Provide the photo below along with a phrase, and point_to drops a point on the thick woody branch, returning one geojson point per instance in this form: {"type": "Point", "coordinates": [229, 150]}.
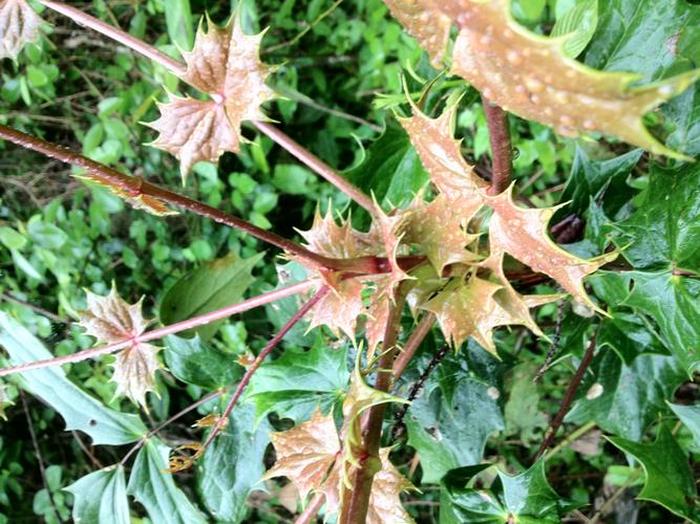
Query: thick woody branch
{"type": "Point", "coordinates": [501, 149]}
{"type": "Point", "coordinates": [155, 334]}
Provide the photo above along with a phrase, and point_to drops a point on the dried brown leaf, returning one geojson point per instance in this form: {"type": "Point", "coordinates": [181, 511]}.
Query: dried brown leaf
{"type": "Point", "coordinates": [225, 64]}
{"type": "Point", "coordinates": [19, 25]}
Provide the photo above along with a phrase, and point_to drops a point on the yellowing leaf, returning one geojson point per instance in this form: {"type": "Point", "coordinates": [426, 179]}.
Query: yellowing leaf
{"type": "Point", "coordinates": [430, 27]}
{"type": "Point", "coordinates": [110, 319]}
{"type": "Point", "coordinates": [225, 64]}
{"type": "Point", "coordinates": [19, 25]}
{"type": "Point", "coordinates": [531, 76]}
{"type": "Point", "coordinates": [522, 233]}
{"type": "Point", "coordinates": [306, 453]}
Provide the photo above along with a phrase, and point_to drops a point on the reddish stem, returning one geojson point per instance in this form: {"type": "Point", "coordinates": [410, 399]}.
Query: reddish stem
{"type": "Point", "coordinates": [501, 149]}
{"type": "Point", "coordinates": [197, 321]}
{"type": "Point", "coordinates": [309, 514]}
{"type": "Point", "coordinates": [271, 345]}
{"type": "Point", "coordinates": [413, 343]}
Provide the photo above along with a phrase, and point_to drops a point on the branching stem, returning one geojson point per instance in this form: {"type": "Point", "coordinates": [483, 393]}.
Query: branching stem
{"type": "Point", "coordinates": [413, 343]}
{"type": "Point", "coordinates": [197, 321]}
{"type": "Point", "coordinates": [501, 149]}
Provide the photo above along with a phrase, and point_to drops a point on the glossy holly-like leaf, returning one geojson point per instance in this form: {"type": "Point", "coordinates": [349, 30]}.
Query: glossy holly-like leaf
{"type": "Point", "coordinates": [195, 362]}
{"type": "Point", "coordinates": [213, 285]}
{"type": "Point", "coordinates": [224, 63]}
{"type": "Point", "coordinates": [101, 497]}
{"type": "Point", "coordinates": [298, 383]}
{"type": "Point", "coordinates": [110, 319]}
{"type": "Point", "coordinates": [306, 452]}
{"type": "Point", "coordinates": [531, 76]}
{"type": "Point", "coordinates": [523, 233]}
{"type": "Point", "coordinates": [232, 465]}
{"type": "Point", "coordinates": [624, 399]}
{"type": "Point", "coordinates": [426, 24]}
{"type": "Point", "coordinates": [79, 410]}
{"type": "Point", "coordinates": [526, 498]}
{"type": "Point", "coordinates": [690, 416]}
{"type": "Point", "coordinates": [153, 486]}
{"type": "Point", "coordinates": [19, 25]}
{"type": "Point", "coordinates": [340, 308]}
{"type": "Point", "coordinates": [668, 478]}
{"type": "Point", "coordinates": [664, 232]}
{"type": "Point", "coordinates": [449, 423]}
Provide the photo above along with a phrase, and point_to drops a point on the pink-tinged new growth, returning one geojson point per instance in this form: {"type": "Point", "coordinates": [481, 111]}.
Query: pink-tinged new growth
{"type": "Point", "coordinates": [19, 25]}
{"type": "Point", "coordinates": [225, 64]}
{"type": "Point", "coordinates": [111, 320]}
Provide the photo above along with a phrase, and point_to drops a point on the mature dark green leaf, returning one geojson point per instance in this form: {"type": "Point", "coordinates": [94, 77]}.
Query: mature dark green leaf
{"type": "Point", "coordinates": [690, 416]}
{"type": "Point", "coordinates": [79, 410]}
{"type": "Point", "coordinates": [298, 382]}
{"type": "Point", "coordinates": [281, 311]}
{"type": "Point", "coordinates": [101, 497]}
{"type": "Point", "coordinates": [449, 423]}
{"type": "Point", "coordinates": [579, 23]}
{"type": "Point", "coordinates": [665, 230]}
{"type": "Point", "coordinates": [630, 335]}
{"type": "Point", "coordinates": [153, 486]}
{"type": "Point", "coordinates": [592, 178]}
{"type": "Point", "coordinates": [178, 17]}
{"type": "Point", "coordinates": [624, 399]}
{"type": "Point", "coordinates": [195, 362]}
{"type": "Point", "coordinates": [526, 498]}
{"type": "Point", "coordinates": [233, 465]}
{"type": "Point", "coordinates": [669, 479]}
{"type": "Point", "coordinates": [391, 169]}
{"type": "Point", "coordinates": [684, 112]}
{"type": "Point", "coordinates": [211, 286]}
{"type": "Point", "coordinates": [672, 301]}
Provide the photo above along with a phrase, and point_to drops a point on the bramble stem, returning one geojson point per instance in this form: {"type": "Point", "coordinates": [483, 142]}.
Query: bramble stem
{"type": "Point", "coordinates": [197, 321]}
{"type": "Point", "coordinates": [316, 164]}
{"type": "Point", "coordinates": [501, 149]}
{"type": "Point", "coordinates": [568, 397]}
{"type": "Point", "coordinates": [271, 345]}
{"type": "Point", "coordinates": [413, 343]}
{"type": "Point", "coordinates": [356, 501]}
{"type": "Point", "coordinates": [116, 34]}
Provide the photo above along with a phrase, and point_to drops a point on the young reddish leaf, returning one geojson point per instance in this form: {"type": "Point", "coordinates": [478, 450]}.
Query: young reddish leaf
{"type": "Point", "coordinates": [530, 75]}
{"type": "Point", "coordinates": [377, 317]}
{"type": "Point", "coordinates": [385, 502]}
{"type": "Point", "coordinates": [110, 319]}
{"type": "Point", "coordinates": [19, 25]}
{"type": "Point", "coordinates": [340, 308]}
{"type": "Point", "coordinates": [225, 64]}
{"type": "Point", "coordinates": [522, 233]}
{"type": "Point", "coordinates": [328, 238]}
{"type": "Point", "coordinates": [427, 25]}
{"type": "Point", "coordinates": [306, 453]}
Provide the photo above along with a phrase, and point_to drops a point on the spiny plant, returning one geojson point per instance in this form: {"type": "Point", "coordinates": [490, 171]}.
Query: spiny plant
{"type": "Point", "coordinates": [462, 254]}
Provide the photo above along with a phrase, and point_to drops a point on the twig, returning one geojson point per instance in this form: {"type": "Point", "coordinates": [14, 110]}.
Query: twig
{"type": "Point", "coordinates": [501, 149]}
{"type": "Point", "coordinates": [197, 321]}
{"type": "Point", "coordinates": [568, 397]}
{"type": "Point", "coordinates": [36, 309]}
{"type": "Point", "coordinates": [271, 345]}
{"type": "Point", "coordinates": [309, 27]}
{"type": "Point", "coordinates": [86, 450]}
{"type": "Point", "coordinates": [309, 514]}
{"type": "Point", "coordinates": [575, 435]}
{"type": "Point", "coordinates": [618, 493]}
{"type": "Point", "coordinates": [413, 343]}
{"type": "Point", "coordinates": [397, 432]}
{"type": "Point", "coordinates": [355, 502]}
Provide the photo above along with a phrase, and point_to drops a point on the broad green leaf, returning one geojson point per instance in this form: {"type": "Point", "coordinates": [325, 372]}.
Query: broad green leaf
{"type": "Point", "coordinates": [578, 23]}
{"type": "Point", "coordinates": [100, 497]}
{"type": "Point", "coordinates": [178, 17]}
{"type": "Point", "coordinates": [526, 498]}
{"type": "Point", "coordinates": [684, 113]}
{"type": "Point", "coordinates": [299, 382]}
{"type": "Point", "coordinates": [624, 399]}
{"type": "Point", "coordinates": [630, 335]}
{"type": "Point", "coordinates": [195, 362]}
{"type": "Point", "coordinates": [671, 301]}
{"type": "Point", "coordinates": [391, 169]}
{"type": "Point", "coordinates": [664, 232]}
{"type": "Point", "coordinates": [153, 486]}
{"type": "Point", "coordinates": [233, 465]}
{"type": "Point", "coordinates": [211, 286]}
{"type": "Point", "coordinates": [590, 178]}
{"type": "Point", "coordinates": [449, 423]}
{"type": "Point", "coordinates": [669, 479]}
{"type": "Point", "coordinates": [523, 416]}
{"type": "Point", "coordinates": [282, 310]}
{"type": "Point", "coordinates": [11, 238]}
{"type": "Point", "coordinates": [690, 416]}
{"type": "Point", "coordinates": [79, 410]}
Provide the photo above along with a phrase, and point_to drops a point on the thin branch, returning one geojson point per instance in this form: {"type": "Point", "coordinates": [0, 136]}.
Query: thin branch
{"type": "Point", "coordinates": [118, 35]}
{"type": "Point", "coordinates": [271, 345]}
{"type": "Point", "coordinates": [316, 164]}
{"type": "Point", "coordinates": [501, 149]}
{"type": "Point", "coordinates": [356, 500]}
{"type": "Point", "coordinates": [574, 436]}
{"type": "Point", "coordinates": [197, 321]}
{"type": "Point", "coordinates": [37, 309]}
{"type": "Point", "coordinates": [568, 397]}
{"type": "Point", "coordinates": [413, 343]}
{"type": "Point", "coordinates": [309, 514]}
